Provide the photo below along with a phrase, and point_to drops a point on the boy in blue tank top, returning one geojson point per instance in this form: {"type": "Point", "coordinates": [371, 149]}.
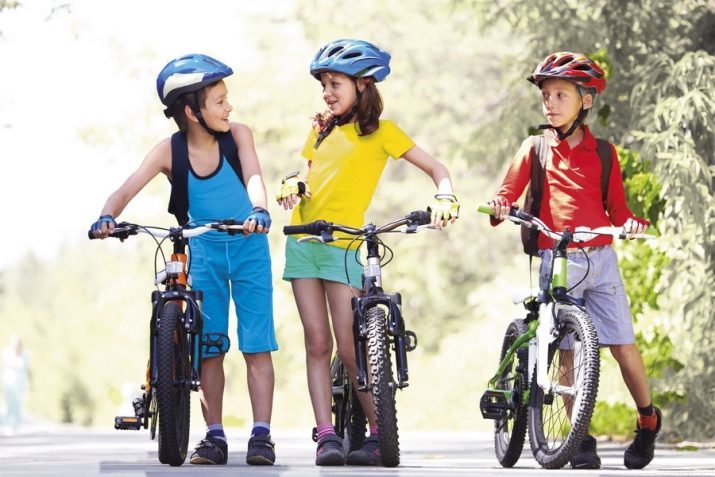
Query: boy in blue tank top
{"type": "Point", "coordinates": [212, 181]}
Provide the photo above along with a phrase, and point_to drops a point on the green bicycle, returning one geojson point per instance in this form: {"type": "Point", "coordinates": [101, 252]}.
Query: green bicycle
{"type": "Point", "coordinates": [548, 373]}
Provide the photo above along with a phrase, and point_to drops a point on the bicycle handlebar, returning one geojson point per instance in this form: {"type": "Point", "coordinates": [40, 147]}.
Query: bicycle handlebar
{"type": "Point", "coordinates": [580, 234]}
{"type": "Point", "coordinates": [124, 229]}
{"type": "Point", "coordinates": [322, 230]}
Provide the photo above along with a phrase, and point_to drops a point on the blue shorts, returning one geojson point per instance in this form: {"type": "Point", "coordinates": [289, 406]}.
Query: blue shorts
{"type": "Point", "coordinates": [310, 259]}
{"type": "Point", "coordinates": [239, 268]}
{"type": "Point", "coordinates": [603, 290]}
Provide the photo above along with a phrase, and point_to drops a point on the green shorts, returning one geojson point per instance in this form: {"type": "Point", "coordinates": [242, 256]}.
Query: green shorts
{"type": "Point", "coordinates": [312, 259]}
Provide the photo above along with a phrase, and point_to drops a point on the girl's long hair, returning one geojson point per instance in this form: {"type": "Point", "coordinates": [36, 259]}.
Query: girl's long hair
{"type": "Point", "coordinates": [369, 109]}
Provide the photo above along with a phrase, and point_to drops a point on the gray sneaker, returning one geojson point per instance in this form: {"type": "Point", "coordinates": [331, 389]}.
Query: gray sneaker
{"type": "Point", "coordinates": [330, 451]}
{"type": "Point", "coordinates": [261, 450]}
{"type": "Point", "coordinates": [368, 454]}
{"type": "Point", "coordinates": [210, 451]}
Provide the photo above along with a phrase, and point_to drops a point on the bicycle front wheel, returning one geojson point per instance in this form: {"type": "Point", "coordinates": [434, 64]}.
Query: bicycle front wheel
{"type": "Point", "coordinates": [559, 417]}
{"type": "Point", "coordinates": [510, 430]}
{"type": "Point", "coordinates": [383, 385]}
{"type": "Point", "coordinates": [172, 386]}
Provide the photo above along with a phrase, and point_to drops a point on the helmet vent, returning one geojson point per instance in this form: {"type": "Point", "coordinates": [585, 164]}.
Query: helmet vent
{"type": "Point", "coordinates": [353, 54]}
{"type": "Point", "coordinates": [564, 60]}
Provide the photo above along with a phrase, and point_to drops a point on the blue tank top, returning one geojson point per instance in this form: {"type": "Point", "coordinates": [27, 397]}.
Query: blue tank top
{"type": "Point", "coordinates": [220, 195]}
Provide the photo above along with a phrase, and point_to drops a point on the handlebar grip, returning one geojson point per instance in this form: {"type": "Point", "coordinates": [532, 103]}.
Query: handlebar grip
{"type": "Point", "coordinates": [313, 228]}
{"type": "Point", "coordinates": [89, 234]}
{"type": "Point", "coordinates": [419, 217]}
{"type": "Point", "coordinates": [485, 209]}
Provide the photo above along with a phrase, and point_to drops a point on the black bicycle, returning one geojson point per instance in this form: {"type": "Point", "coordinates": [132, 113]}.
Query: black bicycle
{"type": "Point", "coordinates": [548, 372]}
{"type": "Point", "coordinates": [175, 344]}
{"type": "Point", "coordinates": [378, 328]}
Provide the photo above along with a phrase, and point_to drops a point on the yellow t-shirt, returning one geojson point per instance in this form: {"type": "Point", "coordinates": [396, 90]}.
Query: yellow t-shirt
{"type": "Point", "coordinates": [344, 173]}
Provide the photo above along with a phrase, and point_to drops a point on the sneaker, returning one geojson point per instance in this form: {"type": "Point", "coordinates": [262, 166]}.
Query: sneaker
{"type": "Point", "coordinates": [330, 451]}
{"type": "Point", "coordinates": [586, 456]}
{"type": "Point", "coordinates": [368, 454]}
{"type": "Point", "coordinates": [210, 451]}
{"type": "Point", "coordinates": [640, 452]}
{"type": "Point", "coordinates": [260, 450]}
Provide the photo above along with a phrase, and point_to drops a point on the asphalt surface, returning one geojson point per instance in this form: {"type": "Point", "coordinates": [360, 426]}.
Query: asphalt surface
{"type": "Point", "coordinates": [55, 450]}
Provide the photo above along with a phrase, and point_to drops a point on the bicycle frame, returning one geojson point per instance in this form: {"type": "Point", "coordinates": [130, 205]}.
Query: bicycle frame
{"type": "Point", "coordinates": [542, 320]}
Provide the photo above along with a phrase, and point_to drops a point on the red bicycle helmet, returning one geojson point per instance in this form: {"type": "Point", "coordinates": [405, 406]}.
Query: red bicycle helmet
{"type": "Point", "coordinates": [574, 67]}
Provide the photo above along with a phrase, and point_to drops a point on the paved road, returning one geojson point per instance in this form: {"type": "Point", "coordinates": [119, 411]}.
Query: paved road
{"type": "Point", "coordinates": [69, 451]}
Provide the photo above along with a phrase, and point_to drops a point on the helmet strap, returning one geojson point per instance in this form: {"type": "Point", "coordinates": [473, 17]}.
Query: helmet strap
{"type": "Point", "coordinates": [577, 122]}
{"type": "Point", "coordinates": [195, 108]}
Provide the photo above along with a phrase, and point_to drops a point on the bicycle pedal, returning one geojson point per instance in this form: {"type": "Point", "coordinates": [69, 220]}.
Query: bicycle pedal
{"type": "Point", "coordinates": [124, 423]}
{"type": "Point", "coordinates": [494, 404]}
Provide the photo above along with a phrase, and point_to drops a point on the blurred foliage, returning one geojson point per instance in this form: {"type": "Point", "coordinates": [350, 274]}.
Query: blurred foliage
{"type": "Point", "coordinates": [659, 104]}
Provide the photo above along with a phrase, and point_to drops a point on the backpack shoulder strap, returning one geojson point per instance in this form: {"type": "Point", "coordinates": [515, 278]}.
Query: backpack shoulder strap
{"type": "Point", "coordinates": [229, 149]}
{"type": "Point", "coordinates": [538, 163]}
{"type": "Point", "coordinates": [179, 198]}
{"type": "Point", "coordinates": [604, 153]}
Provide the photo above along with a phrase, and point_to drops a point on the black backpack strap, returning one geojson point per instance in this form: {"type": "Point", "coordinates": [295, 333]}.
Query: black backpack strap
{"type": "Point", "coordinates": [532, 202]}
{"type": "Point", "coordinates": [229, 149]}
{"type": "Point", "coordinates": [604, 153]}
{"type": "Point", "coordinates": [179, 198]}
{"type": "Point", "coordinates": [538, 164]}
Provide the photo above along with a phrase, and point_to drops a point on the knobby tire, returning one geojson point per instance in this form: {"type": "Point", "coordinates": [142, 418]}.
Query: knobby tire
{"type": "Point", "coordinates": [510, 431]}
{"type": "Point", "coordinates": [383, 385]}
{"type": "Point", "coordinates": [555, 437]}
{"type": "Point", "coordinates": [172, 386]}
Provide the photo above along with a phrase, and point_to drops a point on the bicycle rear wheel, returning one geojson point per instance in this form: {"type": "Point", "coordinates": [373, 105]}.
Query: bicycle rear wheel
{"type": "Point", "coordinates": [383, 385]}
{"type": "Point", "coordinates": [510, 430]}
{"type": "Point", "coordinates": [559, 418]}
{"type": "Point", "coordinates": [350, 422]}
{"type": "Point", "coordinates": [172, 386]}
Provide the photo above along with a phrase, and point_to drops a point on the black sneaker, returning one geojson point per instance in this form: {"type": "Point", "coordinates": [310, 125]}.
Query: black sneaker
{"type": "Point", "coordinates": [640, 452]}
{"type": "Point", "coordinates": [586, 456]}
{"type": "Point", "coordinates": [330, 451]}
{"type": "Point", "coordinates": [210, 451]}
{"type": "Point", "coordinates": [368, 454]}
{"type": "Point", "coordinates": [261, 450]}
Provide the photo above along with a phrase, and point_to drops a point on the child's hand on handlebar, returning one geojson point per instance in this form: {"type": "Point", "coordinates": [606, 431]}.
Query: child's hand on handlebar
{"type": "Point", "coordinates": [501, 207]}
{"type": "Point", "coordinates": [259, 221]}
{"type": "Point", "coordinates": [444, 210]}
{"type": "Point", "coordinates": [103, 226]}
{"type": "Point", "coordinates": [635, 225]}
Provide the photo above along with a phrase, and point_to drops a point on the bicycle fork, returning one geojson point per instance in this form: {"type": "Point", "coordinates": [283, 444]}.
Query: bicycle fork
{"type": "Point", "coordinates": [402, 340]}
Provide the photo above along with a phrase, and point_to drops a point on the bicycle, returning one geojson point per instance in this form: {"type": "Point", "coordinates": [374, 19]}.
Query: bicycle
{"type": "Point", "coordinates": [175, 343]}
{"type": "Point", "coordinates": [548, 373]}
{"type": "Point", "coordinates": [378, 326]}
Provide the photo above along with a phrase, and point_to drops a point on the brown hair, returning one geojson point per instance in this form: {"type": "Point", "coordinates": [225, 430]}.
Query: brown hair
{"type": "Point", "coordinates": [177, 110]}
{"type": "Point", "coordinates": [369, 108]}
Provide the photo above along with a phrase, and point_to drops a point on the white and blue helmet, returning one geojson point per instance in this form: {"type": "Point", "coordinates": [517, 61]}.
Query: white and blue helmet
{"type": "Point", "coordinates": [356, 58]}
{"type": "Point", "coordinates": [188, 74]}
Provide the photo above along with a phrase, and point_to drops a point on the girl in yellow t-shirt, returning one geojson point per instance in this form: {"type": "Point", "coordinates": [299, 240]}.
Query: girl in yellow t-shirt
{"type": "Point", "coordinates": [346, 151]}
